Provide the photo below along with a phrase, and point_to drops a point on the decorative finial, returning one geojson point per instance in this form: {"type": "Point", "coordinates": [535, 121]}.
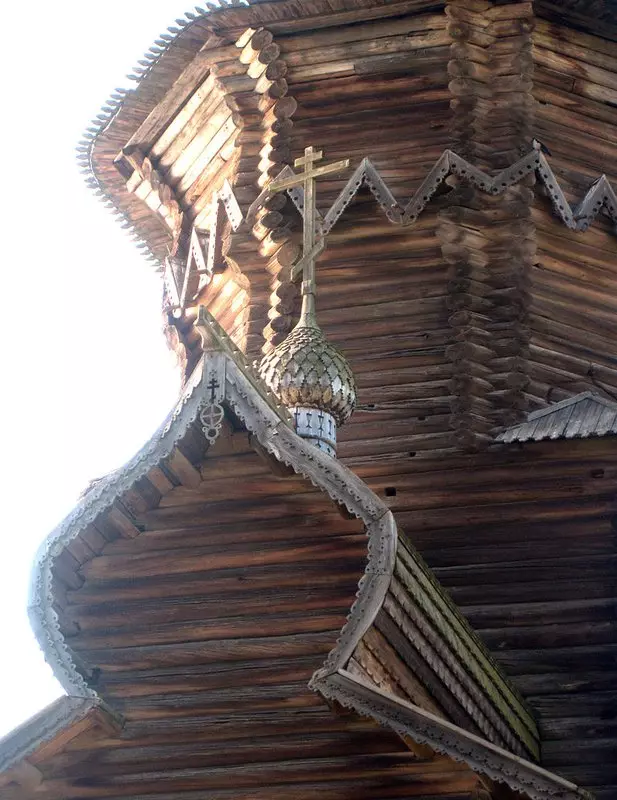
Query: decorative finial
{"type": "Point", "coordinates": [309, 375]}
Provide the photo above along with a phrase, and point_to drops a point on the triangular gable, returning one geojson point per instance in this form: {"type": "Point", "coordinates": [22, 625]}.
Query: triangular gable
{"type": "Point", "coordinates": [46, 734]}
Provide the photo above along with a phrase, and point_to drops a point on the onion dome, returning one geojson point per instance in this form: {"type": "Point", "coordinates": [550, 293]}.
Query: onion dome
{"type": "Point", "coordinates": [306, 370]}
{"type": "Point", "coordinates": [313, 379]}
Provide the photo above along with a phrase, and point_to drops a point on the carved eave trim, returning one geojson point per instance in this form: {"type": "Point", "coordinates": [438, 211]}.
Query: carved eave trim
{"type": "Point", "coordinates": [44, 618]}
{"type": "Point", "coordinates": [62, 714]}
{"type": "Point", "coordinates": [423, 727]}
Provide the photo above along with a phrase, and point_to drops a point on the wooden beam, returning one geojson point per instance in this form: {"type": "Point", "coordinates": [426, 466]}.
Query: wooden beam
{"type": "Point", "coordinates": [121, 520]}
{"type": "Point", "coordinates": [184, 470]}
{"type": "Point", "coordinates": [26, 776]}
{"type": "Point", "coordinates": [160, 116]}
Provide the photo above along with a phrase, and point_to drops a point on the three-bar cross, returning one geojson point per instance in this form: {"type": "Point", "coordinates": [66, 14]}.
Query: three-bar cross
{"type": "Point", "coordinates": [312, 243]}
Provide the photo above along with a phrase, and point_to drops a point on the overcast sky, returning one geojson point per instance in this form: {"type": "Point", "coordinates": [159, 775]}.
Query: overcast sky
{"type": "Point", "coordinates": [89, 376]}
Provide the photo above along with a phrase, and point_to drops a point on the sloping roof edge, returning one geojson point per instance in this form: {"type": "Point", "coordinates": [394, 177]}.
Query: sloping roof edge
{"type": "Point", "coordinates": [269, 422]}
{"type": "Point", "coordinates": [423, 727]}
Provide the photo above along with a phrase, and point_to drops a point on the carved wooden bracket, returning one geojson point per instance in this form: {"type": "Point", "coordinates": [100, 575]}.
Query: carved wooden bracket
{"type": "Point", "coordinates": [184, 279]}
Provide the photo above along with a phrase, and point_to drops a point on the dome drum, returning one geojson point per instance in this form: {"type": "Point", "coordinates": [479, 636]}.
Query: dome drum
{"type": "Point", "coordinates": [316, 426]}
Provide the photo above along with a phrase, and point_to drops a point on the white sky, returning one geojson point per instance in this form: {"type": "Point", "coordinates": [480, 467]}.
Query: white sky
{"type": "Point", "coordinates": [89, 376]}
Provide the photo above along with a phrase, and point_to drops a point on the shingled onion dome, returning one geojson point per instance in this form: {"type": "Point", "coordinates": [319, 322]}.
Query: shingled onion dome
{"type": "Point", "coordinates": [312, 378]}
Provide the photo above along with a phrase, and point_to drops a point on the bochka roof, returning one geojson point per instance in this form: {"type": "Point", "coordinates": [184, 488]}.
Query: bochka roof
{"type": "Point", "coordinates": [452, 652]}
{"type": "Point", "coordinates": [452, 648]}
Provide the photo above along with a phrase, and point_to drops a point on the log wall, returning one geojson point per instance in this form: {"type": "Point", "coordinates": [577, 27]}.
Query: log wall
{"type": "Point", "coordinates": [524, 541]}
{"type": "Point", "coordinates": [382, 289]}
{"type": "Point", "coordinates": [574, 277]}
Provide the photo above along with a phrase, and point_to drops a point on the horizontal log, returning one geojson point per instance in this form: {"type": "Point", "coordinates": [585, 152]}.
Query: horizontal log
{"type": "Point", "coordinates": [192, 653]}
{"type": "Point", "coordinates": [181, 610]}
{"type": "Point", "coordinates": [566, 65]}
{"type": "Point", "coordinates": [284, 745]}
{"type": "Point", "coordinates": [263, 579]}
{"type": "Point", "coordinates": [205, 559]}
{"type": "Point", "coordinates": [492, 513]}
{"type": "Point", "coordinates": [318, 778]}
{"type": "Point", "coordinates": [208, 631]}
{"type": "Point", "coordinates": [369, 31]}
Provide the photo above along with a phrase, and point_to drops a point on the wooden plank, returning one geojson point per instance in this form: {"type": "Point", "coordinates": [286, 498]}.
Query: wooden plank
{"type": "Point", "coordinates": [213, 629]}
{"type": "Point", "coordinates": [179, 130]}
{"type": "Point", "coordinates": [182, 89]}
{"type": "Point", "coordinates": [212, 558]}
{"type": "Point", "coordinates": [192, 653]}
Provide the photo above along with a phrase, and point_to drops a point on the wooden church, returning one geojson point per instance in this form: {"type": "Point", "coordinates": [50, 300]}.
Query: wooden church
{"type": "Point", "coordinates": [371, 553]}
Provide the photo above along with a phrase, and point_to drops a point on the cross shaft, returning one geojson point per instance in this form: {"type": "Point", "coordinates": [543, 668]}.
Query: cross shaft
{"type": "Point", "coordinates": [311, 245]}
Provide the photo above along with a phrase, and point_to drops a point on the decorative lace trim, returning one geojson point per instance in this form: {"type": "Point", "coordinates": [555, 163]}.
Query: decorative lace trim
{"type": "Point", "coordinates": [450, 740]}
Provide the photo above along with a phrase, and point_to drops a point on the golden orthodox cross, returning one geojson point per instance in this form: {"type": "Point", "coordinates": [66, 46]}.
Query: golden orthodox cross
{"type": "Point", "coordinates": [312, 240]}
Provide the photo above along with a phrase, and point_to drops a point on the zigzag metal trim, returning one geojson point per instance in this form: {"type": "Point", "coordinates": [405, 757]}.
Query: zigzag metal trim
{"type": "Point", "coordinates": [599, 196]}
{"type": "Point", "coordinates": [223, 202]}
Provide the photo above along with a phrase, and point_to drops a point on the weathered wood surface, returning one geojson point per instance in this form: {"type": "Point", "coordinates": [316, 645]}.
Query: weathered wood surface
{"type": "Point", "coordinates": [483, 309]}
{"type": "Point", "coordinates": [223, 607]}
{"type": "Point", "coordinates": [525, 543]}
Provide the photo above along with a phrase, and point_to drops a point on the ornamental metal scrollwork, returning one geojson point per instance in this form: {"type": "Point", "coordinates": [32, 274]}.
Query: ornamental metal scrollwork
{"type": "Point", "coordinates": [211, 418]}
{"type": "Point", "coordinates": [212, 413]}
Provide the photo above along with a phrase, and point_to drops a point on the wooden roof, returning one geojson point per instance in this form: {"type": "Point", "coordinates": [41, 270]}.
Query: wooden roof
{"type": "Point", "coordinates": [404, 657]}
{"type": "Point", "coordinates": [25, 752]}
{"type": "Point", "coordinates": [124, 112]}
